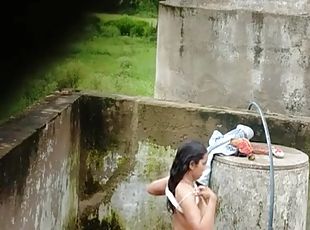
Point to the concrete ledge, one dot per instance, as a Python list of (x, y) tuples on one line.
[(288, 7), (15, 131)]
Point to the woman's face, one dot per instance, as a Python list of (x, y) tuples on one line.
[(200, 167)]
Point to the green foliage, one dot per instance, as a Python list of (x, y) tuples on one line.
[(69, 74), (150, 33), (127, 68), (120, 25), (110, 31), (102, 61), (130, 27), (146, 8)]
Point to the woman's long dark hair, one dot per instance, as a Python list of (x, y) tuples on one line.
[(187, 152)]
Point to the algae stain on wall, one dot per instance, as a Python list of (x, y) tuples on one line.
[(130, 206)]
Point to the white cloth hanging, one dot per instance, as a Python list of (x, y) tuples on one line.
[(219, 144)]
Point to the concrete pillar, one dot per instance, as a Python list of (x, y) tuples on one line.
[(242, 187), (227, 53)]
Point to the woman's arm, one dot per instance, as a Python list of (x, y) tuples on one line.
[(157, 187)]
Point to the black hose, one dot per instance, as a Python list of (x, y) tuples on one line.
[(271, 175)]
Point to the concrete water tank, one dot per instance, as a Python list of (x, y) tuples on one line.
[(242, 187), (229, 52)]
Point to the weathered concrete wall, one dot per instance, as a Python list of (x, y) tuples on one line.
[(228, 57), (115, 145), (165, 125), (39, 166)]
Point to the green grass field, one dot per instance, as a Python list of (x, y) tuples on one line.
[(99, 61), (123, 65)]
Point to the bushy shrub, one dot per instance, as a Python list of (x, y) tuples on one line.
[(147, 7), (69, 75), (110, 31), (140, 7), (136, 31), (124, 26), (150, 33), (131, 27)]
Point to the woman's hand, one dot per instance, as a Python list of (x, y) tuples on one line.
[(206, 193)]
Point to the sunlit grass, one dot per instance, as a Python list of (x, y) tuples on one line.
[(122, 65)]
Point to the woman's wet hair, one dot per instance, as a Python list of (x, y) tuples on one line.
[(189, 151)]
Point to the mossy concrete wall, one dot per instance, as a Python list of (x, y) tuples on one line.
[(88, 157)]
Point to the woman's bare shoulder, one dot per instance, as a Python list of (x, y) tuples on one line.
[(183, 190)]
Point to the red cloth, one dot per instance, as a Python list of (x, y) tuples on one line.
[(243, 145)]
